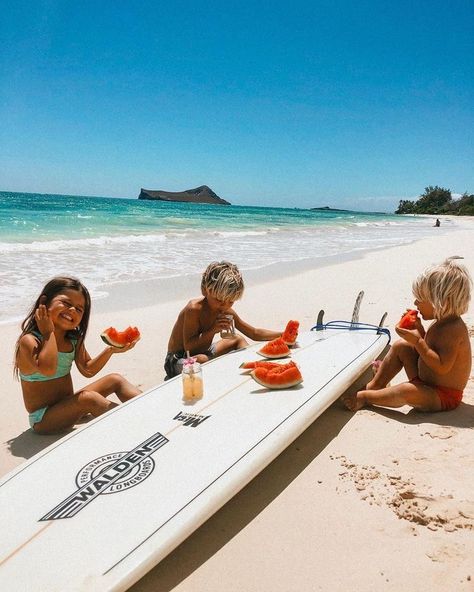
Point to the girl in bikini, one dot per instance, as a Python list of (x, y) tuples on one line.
[(52, 338), (437, 361)]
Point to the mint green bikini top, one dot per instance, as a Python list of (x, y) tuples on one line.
[(65, 360)]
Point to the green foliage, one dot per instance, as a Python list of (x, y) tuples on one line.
[(466, 205), (437, 200)]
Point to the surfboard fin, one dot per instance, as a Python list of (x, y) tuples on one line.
[(319, 321), (355, 312), (382, 320)]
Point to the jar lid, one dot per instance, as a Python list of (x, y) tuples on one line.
[(190, 365)]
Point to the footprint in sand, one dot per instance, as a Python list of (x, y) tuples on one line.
[(440, 433), (389, 489), (447, 553), (442, 512), (466, 510)]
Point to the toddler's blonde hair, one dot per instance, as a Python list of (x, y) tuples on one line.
[(447, 286), (223, 281)]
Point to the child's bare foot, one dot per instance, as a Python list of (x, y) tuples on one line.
[(355, 402)]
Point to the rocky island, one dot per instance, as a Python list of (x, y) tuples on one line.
[(328, 209), (202, 194)]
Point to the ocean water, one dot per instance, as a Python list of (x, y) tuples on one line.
[(105, 241)]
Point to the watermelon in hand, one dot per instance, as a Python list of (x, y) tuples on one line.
[(120, 338), (408, 320)]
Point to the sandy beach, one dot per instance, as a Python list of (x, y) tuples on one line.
[(377, 500)]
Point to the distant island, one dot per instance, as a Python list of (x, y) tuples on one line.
[(328, 209), (202, 194), (438, 200)]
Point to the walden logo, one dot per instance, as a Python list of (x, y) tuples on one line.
[(110, 473), (190, 419)]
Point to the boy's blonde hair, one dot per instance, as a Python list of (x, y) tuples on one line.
[(223, 281), (447, 286)]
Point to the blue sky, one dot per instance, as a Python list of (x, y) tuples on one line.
[(347, 104)]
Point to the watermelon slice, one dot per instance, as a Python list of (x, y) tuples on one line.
[(120, 338), (408, 320), (290, 334), (274, 349), (258, 364), (284, 377)]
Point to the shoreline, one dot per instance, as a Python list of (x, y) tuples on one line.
[(121, 296), (115, 267)]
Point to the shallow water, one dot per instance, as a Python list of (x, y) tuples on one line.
[(106, 241)]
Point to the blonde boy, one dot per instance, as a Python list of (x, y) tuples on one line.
[(437, 361), (202, 318)]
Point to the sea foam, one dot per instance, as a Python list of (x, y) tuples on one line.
[(105, 241)]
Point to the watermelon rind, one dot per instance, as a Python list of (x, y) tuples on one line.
[(128, 335), (274, 356), (244, 364), (106, 339), (287, 385)]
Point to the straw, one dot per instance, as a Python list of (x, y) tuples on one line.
[(189, 362)]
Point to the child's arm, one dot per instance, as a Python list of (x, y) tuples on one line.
[(195, 341), (88, 366), (39, 358), (442, 359), (419, 327), (254, 333)]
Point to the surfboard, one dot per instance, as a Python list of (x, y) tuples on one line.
[(99, 508)]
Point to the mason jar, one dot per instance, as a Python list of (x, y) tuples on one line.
[(192, 381)]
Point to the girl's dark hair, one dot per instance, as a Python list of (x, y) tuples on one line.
[(54, 287)]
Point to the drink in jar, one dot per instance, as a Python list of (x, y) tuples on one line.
[(229, 332), (193, 389)]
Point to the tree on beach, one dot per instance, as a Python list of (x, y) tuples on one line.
[(438, 200), (406, 206), (466, 204)]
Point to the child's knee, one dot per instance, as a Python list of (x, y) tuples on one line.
[(116, 380), (401, 348), (399, 344), (90, 401), (240, 342), (201, 358)]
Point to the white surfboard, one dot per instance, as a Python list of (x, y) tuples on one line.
[(99, 508)]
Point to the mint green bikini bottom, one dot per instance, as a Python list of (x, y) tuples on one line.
[(37, 416)]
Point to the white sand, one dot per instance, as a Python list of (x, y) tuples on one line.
[(380, 499)]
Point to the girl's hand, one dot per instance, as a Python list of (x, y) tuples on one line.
[(43, 320), (121, 350)]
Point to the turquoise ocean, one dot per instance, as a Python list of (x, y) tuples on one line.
[(108, 241)]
